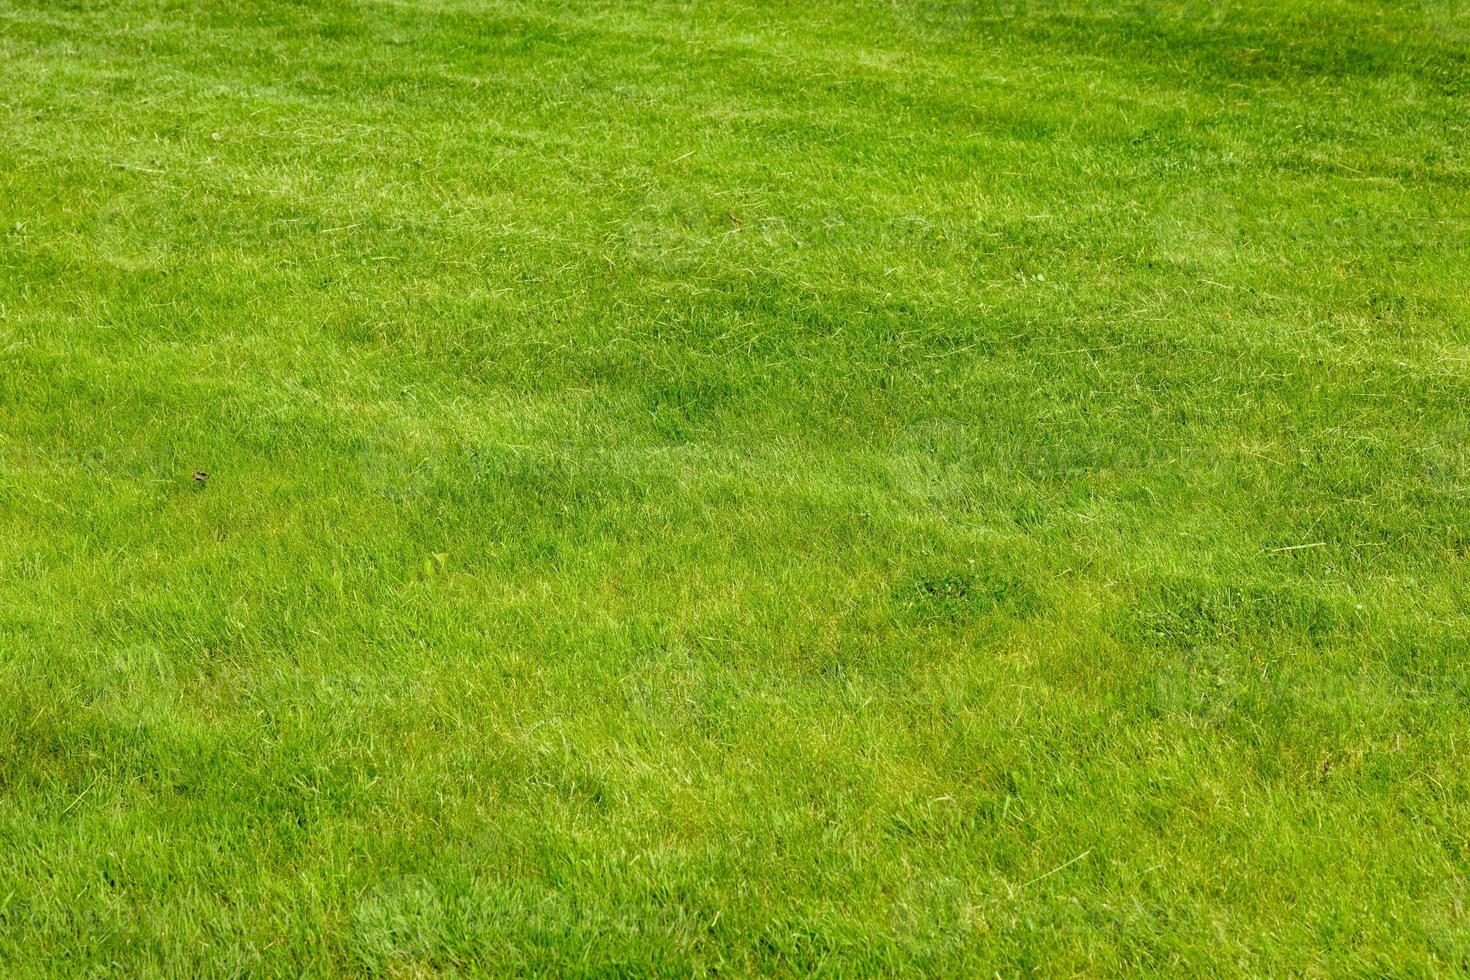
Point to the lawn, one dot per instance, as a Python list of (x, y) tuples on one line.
[(926, 487)]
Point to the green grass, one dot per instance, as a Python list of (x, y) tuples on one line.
[(883, 486)]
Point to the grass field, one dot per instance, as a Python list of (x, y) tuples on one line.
[(883, 486)]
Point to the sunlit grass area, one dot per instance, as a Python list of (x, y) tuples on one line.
[(930, 487)]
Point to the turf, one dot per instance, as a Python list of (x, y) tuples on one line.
[(868, 487)]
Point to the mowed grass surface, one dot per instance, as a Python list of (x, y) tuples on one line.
[(868, 487)]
